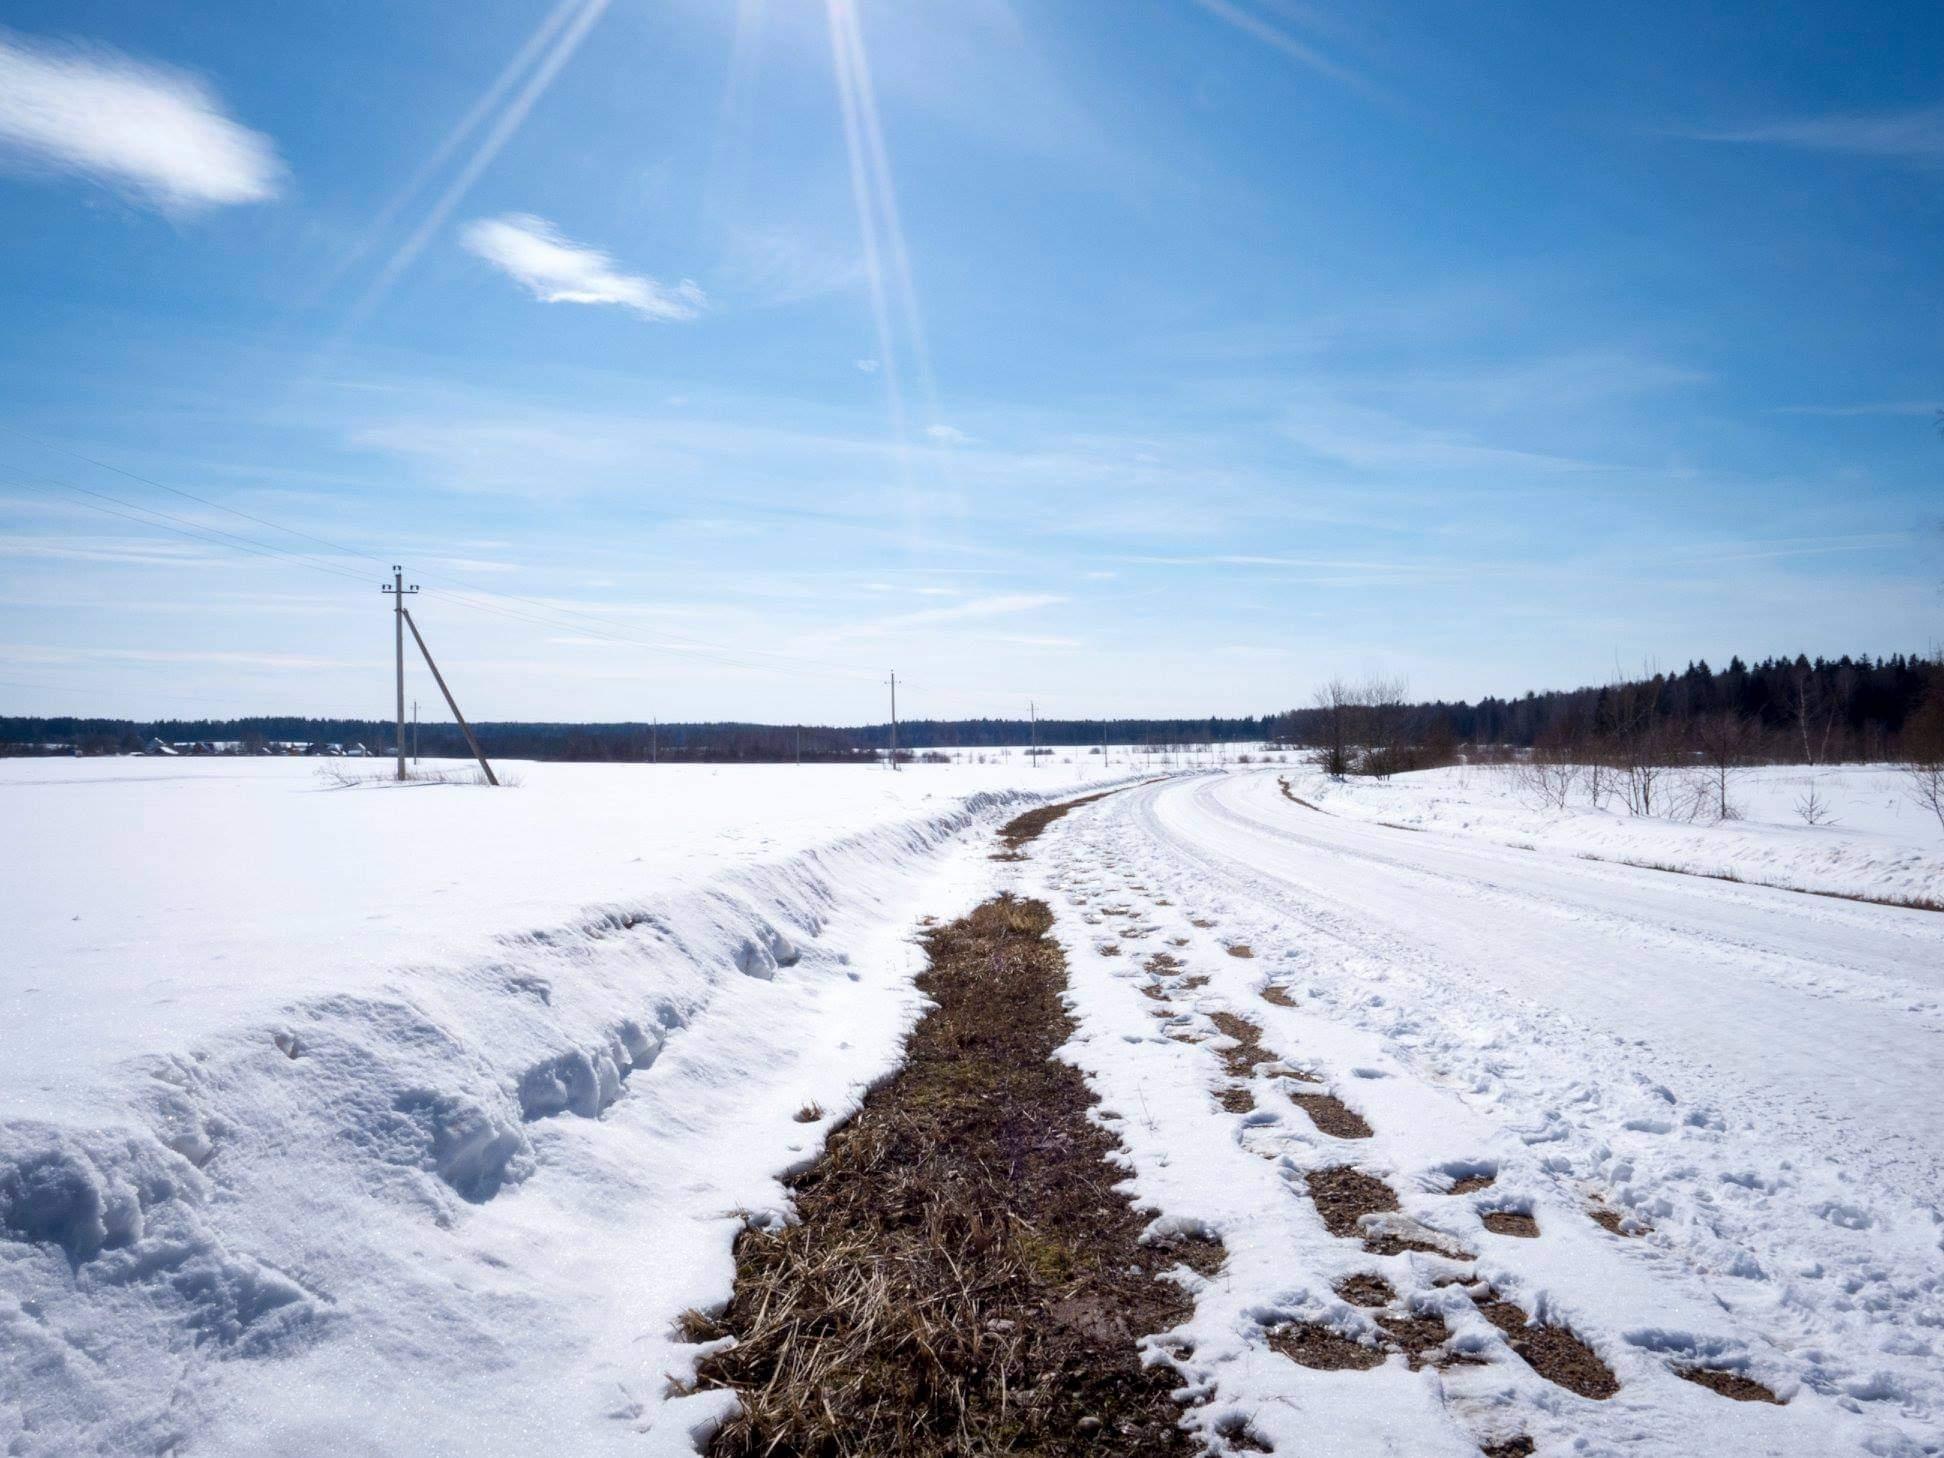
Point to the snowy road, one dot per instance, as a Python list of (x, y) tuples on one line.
[(1754, 1074)]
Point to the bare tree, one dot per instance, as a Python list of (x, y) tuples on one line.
[(1815, 714), (1639, 742), (1725, 740), (1383, 717), (1338, 701), (1923, 749)]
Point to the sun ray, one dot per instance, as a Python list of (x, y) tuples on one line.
[(523, 58), (502, 131)]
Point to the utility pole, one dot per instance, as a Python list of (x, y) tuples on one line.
[(894, 718), (399, 592), (451, 703)]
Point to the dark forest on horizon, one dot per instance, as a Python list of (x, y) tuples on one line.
[(1821, 710)]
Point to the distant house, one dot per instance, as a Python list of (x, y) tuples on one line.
[(158, 746)]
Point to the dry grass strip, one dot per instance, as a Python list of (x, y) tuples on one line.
[(1021, 829), (964, 1278)]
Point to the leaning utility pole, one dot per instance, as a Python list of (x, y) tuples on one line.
[(894, 718), (399, 592), (451, 703)]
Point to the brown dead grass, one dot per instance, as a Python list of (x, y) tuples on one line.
[(1022, 829), (1240, 949), (964, 1278), (1278, 995), (1471, 1183)]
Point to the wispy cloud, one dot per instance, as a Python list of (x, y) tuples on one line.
[(949, 435), (161, 135), (1880, 407), (536, 255), (1278, 39), (1916, 135), (997, 605), (1375, 440), (778, 265)]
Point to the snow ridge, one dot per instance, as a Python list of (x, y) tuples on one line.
[(262, 1186)]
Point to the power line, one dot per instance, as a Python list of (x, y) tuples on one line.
[(475, 595), (186, 495), (185, 527)]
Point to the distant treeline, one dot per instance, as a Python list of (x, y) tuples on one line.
[(1812, 710), (1818, 710), (674, 743)]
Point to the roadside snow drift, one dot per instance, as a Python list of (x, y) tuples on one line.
[(408, 1119)]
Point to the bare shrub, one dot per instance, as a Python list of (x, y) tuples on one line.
[(1546, 777), (1813, 808)]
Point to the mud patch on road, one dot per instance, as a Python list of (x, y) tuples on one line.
[(1614, 1223), (1554, 1352), (1728, 1384), (1334, 1117), (1343, 1195), (1366, 1289), (1241, 1060), (1312, 1344), (1511, 1222), (963, 1276)]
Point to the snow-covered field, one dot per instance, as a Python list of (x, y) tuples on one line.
[(407, 1120), (1871, 839), (1751, 1080)]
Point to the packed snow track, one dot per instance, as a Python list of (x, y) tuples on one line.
[(1692, 1123)]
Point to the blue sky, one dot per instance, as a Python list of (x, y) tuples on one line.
[(710, 357)]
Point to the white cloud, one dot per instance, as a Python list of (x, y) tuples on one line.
[(948, 435), (1910, 134), (160, 134), (869, 366), (534, 254)]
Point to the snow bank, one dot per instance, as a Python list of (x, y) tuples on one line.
[(1875, 843), (409, 1119)]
